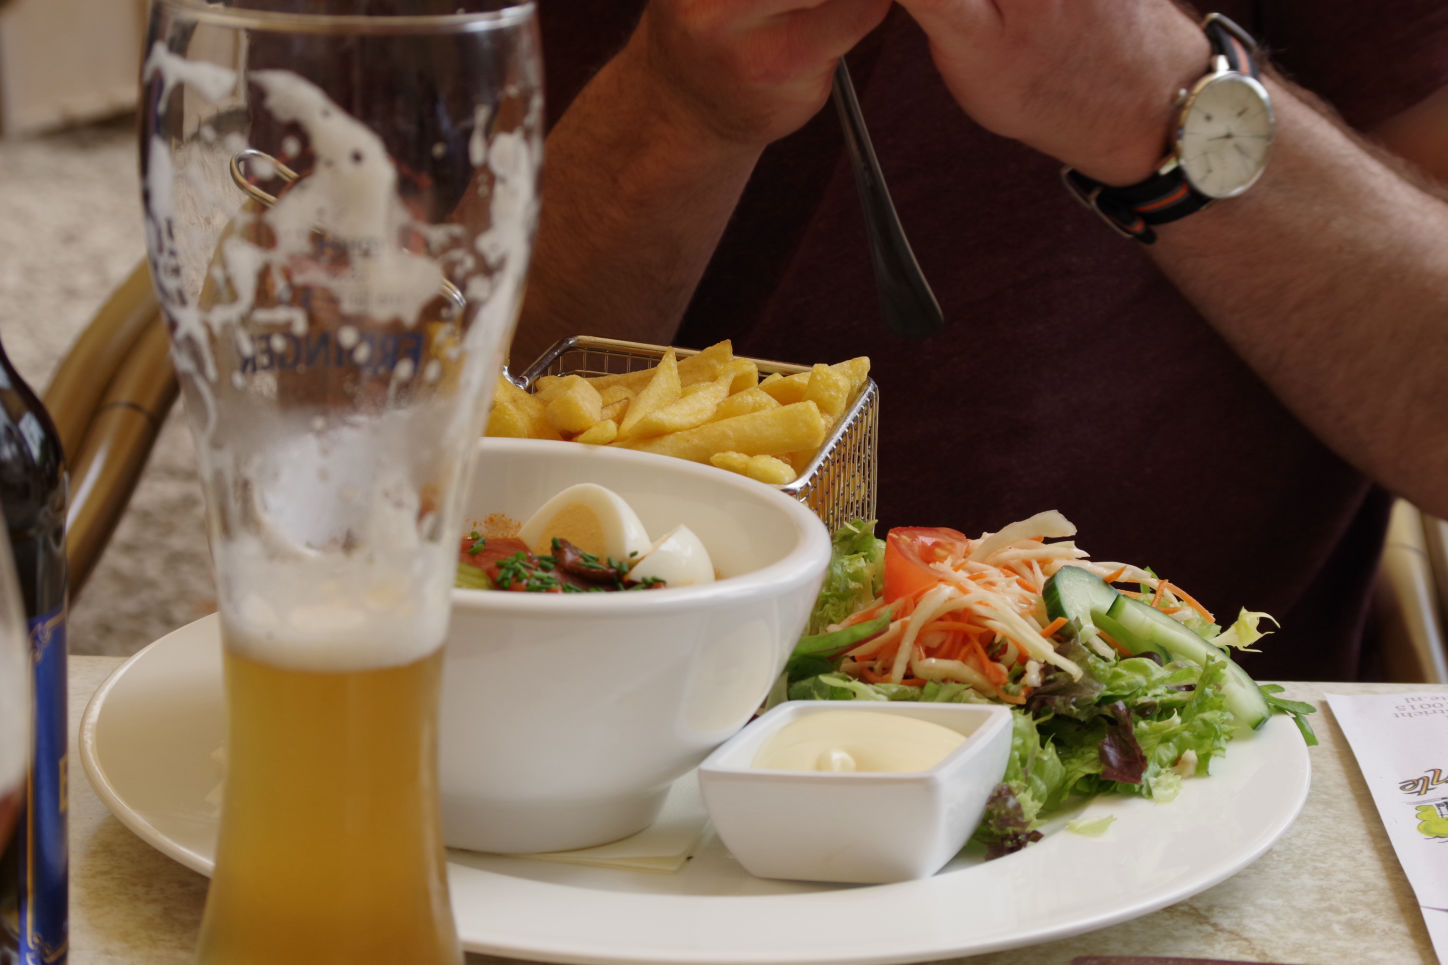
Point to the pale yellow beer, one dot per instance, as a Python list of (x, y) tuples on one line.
[(331, 842)]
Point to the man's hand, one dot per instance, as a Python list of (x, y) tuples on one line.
[(746, 72), (1089, 82)]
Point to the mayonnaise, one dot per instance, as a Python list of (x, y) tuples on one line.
[(857, 740)]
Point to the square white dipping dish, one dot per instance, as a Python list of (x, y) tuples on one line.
[(861, 826)]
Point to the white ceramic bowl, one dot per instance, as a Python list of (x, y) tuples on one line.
[(854, 827), (565, 718)]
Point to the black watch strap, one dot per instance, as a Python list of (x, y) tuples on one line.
[(1132, 210), (1232, 42), (1166, 195)]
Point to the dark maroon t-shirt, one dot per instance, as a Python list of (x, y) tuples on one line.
[(1071, 374)]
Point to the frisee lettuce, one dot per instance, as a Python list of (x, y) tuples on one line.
[(855, 576)]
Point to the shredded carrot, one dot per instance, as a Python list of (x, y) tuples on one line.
[(1119, 572), (960, 625), (1161, 588), (1050, 629), (994, 672), (1187, 598), (865, 615), (1114, 645)]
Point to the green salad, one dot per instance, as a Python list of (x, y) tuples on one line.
[(1121, 682)]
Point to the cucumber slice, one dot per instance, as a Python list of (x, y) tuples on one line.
[(1137, 626), (1078, 594), (1132, 642)]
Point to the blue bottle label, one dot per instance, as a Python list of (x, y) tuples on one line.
[(44, 856)]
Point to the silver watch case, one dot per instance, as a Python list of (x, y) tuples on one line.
[(1221, 74)]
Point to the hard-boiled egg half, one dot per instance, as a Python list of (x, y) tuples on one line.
[(678, 558), (597, 520)]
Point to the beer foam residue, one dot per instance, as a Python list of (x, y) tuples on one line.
[(351, 197), (337, 568), (361, 616)]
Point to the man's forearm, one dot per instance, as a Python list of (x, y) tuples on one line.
[(632, 211), (1330, 278)]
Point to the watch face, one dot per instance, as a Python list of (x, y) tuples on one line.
[(1225, 135)]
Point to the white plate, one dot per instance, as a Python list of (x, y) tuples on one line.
[(149, 733)]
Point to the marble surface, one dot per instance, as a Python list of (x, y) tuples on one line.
[(1330, 892), (69, 233)]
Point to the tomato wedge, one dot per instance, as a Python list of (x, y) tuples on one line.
[(909, 551)]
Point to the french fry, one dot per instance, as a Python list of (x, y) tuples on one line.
[(662, 389), (691, 409), (546, 388), (615, 400), (575, 407), (598, 434), (857, 370), (786, 389), (707, 364), (730, 460), (829, 389), (744, 375), (518, 414), (752, 399), (786, 428), (766, 469), (770, 469)]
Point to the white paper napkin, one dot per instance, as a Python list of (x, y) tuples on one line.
[(1401, 744)]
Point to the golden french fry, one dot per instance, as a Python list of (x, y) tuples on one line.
[(707, 364), (731, 460), (786, 389), (574, 408), (546, 387), (829, 389), (770, 469), (598, 434), (857, 370), (517, 414), (752, 399), (686, 412), (614, 400), (662, 389), (786, 428), (801, 458), (743, 375)]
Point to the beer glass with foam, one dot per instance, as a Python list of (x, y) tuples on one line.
[(340, 203)]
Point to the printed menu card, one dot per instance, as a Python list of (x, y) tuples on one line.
[(1401, 744)]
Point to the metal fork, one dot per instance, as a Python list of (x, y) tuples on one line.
[(906, 301)]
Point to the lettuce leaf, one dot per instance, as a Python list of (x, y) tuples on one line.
[(855, 577)]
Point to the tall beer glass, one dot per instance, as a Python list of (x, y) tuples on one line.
[(340, 206)]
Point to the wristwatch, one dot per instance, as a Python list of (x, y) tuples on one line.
[(1220, 143)]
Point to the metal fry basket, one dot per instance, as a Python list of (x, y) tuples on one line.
[(838, 484)]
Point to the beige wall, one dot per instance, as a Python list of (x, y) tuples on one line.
[(66, 61)]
